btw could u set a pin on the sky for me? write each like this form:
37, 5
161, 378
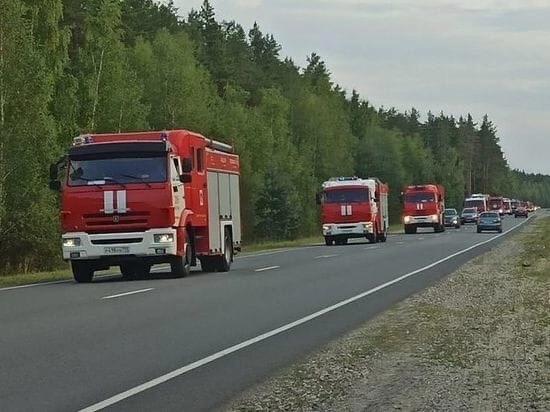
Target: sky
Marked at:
472, 56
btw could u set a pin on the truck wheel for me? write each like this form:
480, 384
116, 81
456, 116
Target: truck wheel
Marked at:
207, 265
181, 266
128, 271
82, 272
410, 230
328, 241
225, 260
384, 237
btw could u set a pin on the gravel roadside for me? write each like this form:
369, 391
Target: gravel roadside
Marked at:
478, 340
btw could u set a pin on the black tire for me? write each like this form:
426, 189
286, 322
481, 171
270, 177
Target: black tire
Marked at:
410, 229
82, 272
181, 265
457, 227
207, 264
328, 241
478, 230
500, 231
384, 237
224, 261
128, 271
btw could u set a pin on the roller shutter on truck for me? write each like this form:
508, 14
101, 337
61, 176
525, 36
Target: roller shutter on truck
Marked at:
223, 208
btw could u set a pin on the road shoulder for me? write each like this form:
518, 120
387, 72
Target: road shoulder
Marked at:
479, 339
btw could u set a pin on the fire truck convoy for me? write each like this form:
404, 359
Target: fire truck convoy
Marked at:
354, 208
496, 204
478, 201
137, 199
423, 206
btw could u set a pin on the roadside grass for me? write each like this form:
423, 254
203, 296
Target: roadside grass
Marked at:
38, 277
535, 259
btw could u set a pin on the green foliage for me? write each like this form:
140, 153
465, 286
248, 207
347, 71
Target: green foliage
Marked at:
72, 66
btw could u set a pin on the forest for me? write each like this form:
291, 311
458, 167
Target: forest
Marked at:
80, 66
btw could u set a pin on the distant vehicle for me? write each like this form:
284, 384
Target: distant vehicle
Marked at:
508, 206
469, 215
530, 207
354, 208
479, 201
452, 219
489, 221
423, 206
521, 211
515, 203
134, 200
496, 204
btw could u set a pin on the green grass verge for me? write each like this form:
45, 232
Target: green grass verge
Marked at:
30, 278
535, 260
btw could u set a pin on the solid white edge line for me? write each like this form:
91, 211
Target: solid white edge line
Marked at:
267, 268
128, 293
209, 359
325, 256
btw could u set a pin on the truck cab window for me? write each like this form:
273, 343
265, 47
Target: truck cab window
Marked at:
200, 160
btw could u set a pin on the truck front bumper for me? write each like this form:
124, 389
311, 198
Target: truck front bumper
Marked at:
360, 229
421, 221
151, 243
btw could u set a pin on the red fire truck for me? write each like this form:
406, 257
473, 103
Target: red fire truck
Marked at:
354, 208
496, 204
137, 199
423, 206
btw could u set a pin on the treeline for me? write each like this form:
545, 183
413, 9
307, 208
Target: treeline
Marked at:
77, 66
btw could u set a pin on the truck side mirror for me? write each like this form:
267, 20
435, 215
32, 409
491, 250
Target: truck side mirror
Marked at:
55, 185
186, 178
54, 170
187, 165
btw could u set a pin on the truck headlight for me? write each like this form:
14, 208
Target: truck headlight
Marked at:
367, 227
435, 218
407, 220
71, 242
164, 238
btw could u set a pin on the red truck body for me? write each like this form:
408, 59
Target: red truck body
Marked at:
354, 208
137, 199
423, 206
496, 204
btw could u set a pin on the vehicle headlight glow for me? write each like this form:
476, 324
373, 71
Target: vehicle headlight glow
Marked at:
367, 226
435, 218
407, 219
71, 242
164, 238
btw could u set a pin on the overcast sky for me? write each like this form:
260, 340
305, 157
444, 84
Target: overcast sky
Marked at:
477, 56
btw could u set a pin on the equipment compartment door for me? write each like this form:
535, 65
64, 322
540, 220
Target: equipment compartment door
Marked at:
214, 234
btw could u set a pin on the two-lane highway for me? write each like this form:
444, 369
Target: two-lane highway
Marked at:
194, 343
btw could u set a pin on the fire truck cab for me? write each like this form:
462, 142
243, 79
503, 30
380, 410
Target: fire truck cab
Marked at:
423, 206
137, 199
354, 208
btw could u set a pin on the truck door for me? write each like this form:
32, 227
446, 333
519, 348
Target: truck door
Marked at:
178, 193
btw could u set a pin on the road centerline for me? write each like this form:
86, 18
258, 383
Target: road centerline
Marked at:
267, 268
120, 295
325, 256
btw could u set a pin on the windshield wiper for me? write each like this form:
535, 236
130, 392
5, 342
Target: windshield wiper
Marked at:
141, 180
112, 179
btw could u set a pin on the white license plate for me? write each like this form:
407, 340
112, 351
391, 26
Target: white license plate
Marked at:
119, 250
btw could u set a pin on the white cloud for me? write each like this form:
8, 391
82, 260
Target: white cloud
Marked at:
484, 56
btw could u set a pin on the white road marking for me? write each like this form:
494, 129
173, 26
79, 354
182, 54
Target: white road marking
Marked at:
399, 243
127, 293
277, 251
420, 238
372, 248
325, 256
228, 351
267, 268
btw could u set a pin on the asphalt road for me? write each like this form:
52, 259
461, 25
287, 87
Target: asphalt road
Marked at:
193, 344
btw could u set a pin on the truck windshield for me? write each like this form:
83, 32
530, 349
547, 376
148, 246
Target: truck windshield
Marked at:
122, 170
419, 197
346, 196
475, 203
